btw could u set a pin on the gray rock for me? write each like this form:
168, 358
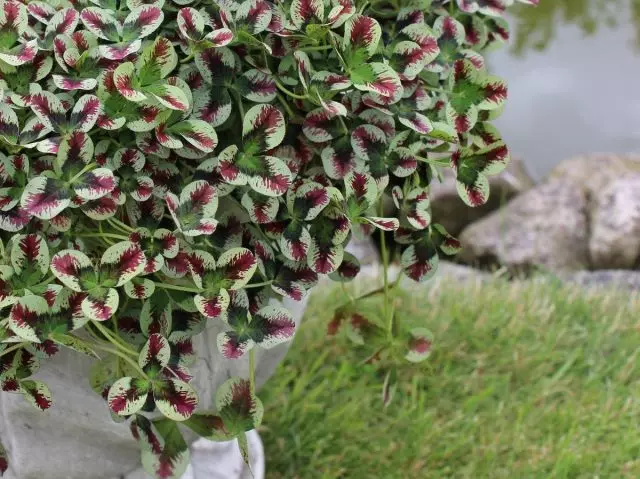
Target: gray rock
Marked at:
364, 249
546, 226
596, 172
615, 225
451, 212
77, 439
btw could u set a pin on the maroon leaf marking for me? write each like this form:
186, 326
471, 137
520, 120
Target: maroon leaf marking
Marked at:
40, 399
232, 348
30, 247
239, 266
420, 345
362, 30
180, 401
130, 259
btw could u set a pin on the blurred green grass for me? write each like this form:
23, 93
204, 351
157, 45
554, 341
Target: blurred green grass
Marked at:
526, 380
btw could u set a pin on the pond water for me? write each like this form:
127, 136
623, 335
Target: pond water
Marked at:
580, 95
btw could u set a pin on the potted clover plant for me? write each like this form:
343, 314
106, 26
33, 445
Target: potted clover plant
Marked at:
176, 175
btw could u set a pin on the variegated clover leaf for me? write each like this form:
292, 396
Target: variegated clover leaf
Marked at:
174, 398
164, 165
266, 328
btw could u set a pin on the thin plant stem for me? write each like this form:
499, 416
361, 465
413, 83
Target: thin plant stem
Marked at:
46, 280
89, 167
252, 371
285, 105
347, 293
345, 130
124, 226
122, 356
319, 48
437, 162
258, 285
116, 226
102, 235
113, 340
238, 99
92, 334
176, 287
397, 280
288, 92
13, 348
385, 273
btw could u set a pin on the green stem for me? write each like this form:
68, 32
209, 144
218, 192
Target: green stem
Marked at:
112, 339
122, 356
13, 348
288, 92
345, 130
320, 48
89, 167
176, 287
258, 285
187, 59
252, 371
364, 5
106, 240
124, 226
385, 273
285, 105
116, 226
444, 162
100, 235
238, 99
397, 281
92, 333
347, 293
46, 281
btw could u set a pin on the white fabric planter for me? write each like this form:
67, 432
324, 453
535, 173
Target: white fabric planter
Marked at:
77, 439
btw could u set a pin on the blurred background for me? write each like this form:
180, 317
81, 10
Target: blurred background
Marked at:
573, 75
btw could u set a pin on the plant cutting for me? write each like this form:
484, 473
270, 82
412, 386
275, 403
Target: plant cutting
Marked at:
172, 165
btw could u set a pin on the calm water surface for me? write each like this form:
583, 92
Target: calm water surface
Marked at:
581, 95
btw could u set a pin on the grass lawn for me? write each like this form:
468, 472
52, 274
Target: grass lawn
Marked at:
525, 381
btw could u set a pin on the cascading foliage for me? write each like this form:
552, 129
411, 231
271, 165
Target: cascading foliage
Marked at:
173, 162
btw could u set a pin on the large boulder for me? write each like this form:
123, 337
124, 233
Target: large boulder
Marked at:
595, 172
546, 226
615, 225
451, 212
